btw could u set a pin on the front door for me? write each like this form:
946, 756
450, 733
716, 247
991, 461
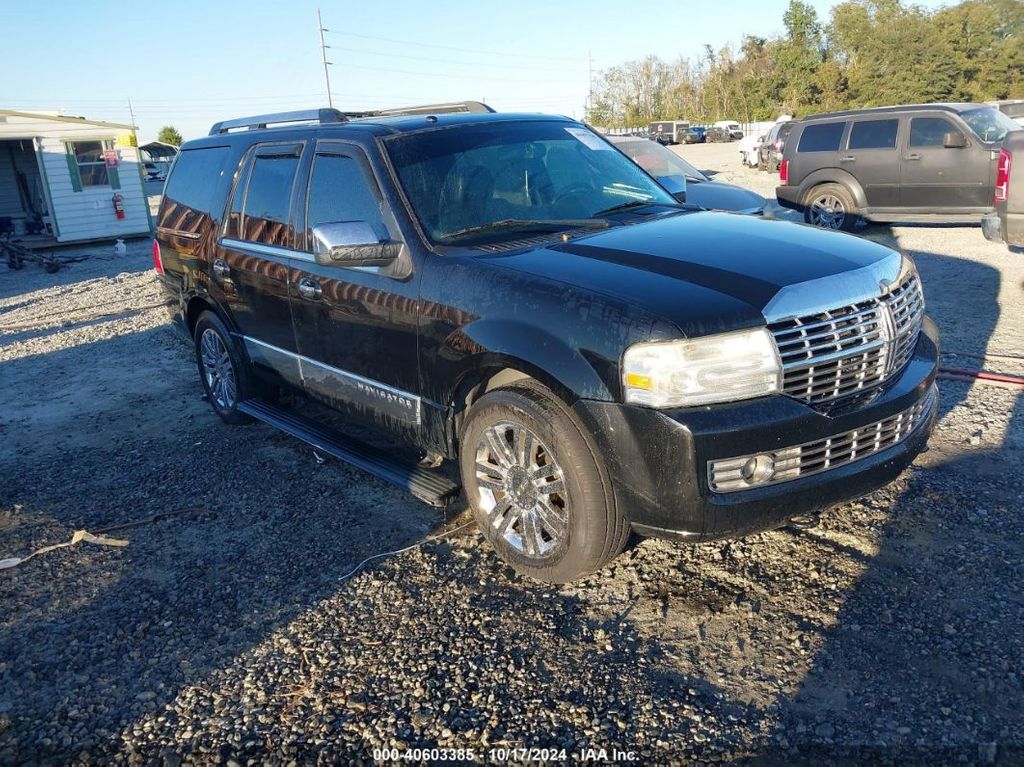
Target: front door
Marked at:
937, 178
873, 158
251, 262
356, 326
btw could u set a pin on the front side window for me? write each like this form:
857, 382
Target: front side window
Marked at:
535, 175
930, 131
874, 134
92, 166
340, 191
824, 137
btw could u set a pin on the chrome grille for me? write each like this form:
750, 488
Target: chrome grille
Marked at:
835, 353
726, 475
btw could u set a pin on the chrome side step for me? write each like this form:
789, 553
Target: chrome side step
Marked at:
429, 486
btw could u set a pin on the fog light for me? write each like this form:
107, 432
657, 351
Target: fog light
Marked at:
758, 469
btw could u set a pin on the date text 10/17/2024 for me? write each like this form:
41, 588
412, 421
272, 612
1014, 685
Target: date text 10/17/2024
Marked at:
505, 754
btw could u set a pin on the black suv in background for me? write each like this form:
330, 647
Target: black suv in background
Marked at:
514, 294
928, 162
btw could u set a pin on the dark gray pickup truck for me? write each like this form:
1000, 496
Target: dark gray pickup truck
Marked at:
1006, 222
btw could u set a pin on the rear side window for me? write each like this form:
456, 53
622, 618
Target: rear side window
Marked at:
261, 207
339, 190
930, 131
193, 183
874, 134
824, 137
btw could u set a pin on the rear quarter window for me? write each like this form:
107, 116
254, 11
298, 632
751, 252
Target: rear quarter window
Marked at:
192, 186
823, 137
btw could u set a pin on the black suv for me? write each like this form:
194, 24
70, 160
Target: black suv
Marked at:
928, 163
512, 293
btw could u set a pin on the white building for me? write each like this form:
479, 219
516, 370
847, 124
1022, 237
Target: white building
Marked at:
59, 175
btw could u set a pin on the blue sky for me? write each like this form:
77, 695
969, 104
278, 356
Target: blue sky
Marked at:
192, 63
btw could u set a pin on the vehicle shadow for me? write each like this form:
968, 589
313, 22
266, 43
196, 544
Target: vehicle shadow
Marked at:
92, 637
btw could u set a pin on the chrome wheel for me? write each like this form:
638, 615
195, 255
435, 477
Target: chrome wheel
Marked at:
217, 369
522, 490
828, 212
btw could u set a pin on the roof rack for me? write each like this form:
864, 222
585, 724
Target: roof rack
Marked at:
322, 116
303, 115
451, 107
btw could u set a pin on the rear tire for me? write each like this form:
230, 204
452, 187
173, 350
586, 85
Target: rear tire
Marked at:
538, 491
223, 371
831, 206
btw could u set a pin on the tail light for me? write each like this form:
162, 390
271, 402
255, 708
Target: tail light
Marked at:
158, 262
1002, 177
784, 172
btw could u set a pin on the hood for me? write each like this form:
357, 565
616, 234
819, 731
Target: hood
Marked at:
717, 195
705, 272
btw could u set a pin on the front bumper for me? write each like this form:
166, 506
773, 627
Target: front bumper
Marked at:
658, 460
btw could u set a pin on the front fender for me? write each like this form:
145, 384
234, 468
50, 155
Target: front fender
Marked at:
509, 343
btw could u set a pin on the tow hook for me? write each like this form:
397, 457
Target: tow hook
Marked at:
804, 521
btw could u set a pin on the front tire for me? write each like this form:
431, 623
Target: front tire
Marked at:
830, 206
538, 491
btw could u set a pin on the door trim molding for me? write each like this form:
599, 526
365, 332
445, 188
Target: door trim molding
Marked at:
336, 383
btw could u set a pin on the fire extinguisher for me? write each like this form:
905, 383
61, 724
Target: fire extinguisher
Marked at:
118, 201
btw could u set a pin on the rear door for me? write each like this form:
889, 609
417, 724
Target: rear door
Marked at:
872, 156
356, 326
936, 178
255, 250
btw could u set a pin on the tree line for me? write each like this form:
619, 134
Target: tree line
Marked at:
869, 53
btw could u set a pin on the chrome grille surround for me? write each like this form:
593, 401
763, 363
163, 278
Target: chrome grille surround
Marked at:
809, 458
837, 352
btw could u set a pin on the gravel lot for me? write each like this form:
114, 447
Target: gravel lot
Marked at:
227, 633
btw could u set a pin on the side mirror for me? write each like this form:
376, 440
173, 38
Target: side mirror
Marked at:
351, 243
954, 140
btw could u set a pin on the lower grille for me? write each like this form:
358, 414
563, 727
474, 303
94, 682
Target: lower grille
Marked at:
745, 472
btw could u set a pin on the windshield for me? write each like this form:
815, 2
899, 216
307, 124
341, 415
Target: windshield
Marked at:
989, 123
481, 177
659, 161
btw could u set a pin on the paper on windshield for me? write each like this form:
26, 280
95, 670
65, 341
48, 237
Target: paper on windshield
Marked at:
588, 139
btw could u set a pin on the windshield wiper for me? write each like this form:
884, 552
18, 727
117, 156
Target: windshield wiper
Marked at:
526, 225
643, 204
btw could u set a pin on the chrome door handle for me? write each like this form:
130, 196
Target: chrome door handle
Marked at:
914, 156
309, 288
848, 158
221, 270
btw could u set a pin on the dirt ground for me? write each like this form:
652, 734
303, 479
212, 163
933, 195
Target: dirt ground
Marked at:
228, 631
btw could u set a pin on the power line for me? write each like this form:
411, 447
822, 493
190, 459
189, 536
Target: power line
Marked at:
457, 63
449, 76
453, 48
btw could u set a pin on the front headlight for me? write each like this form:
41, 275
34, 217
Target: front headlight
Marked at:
699, 371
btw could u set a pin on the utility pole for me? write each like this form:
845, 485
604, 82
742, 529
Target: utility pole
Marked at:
323, 55
132, 113
590, 85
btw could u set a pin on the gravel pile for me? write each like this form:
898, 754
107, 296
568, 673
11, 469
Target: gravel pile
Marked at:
226, 633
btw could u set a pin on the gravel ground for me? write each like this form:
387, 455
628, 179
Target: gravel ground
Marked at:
228, 633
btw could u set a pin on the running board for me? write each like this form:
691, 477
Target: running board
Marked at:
429, 486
